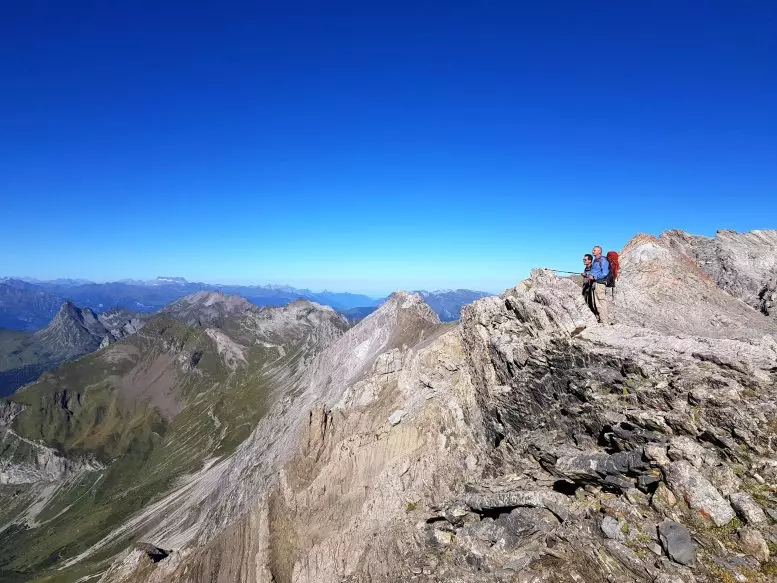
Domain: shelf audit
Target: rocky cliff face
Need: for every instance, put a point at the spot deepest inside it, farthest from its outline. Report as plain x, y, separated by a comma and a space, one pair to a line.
743, 264
523, 443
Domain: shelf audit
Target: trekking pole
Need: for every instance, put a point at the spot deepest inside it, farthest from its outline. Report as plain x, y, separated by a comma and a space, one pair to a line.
561, 271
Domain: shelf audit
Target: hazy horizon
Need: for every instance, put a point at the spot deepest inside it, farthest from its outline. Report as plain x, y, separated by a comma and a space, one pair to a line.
245, 283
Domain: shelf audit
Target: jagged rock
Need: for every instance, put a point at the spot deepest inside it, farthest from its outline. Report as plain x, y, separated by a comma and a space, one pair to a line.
677, 542
767, 297
524, 523
747, 508
656, 453
721, 258
554, 501
684, 448
389, 362
754, 544
456, 514
725, 480
699, 493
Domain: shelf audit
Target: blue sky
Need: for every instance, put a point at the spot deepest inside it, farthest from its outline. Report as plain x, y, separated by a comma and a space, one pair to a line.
375, 146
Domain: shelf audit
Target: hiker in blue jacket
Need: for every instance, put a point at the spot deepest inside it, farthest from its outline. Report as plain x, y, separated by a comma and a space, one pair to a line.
600, 269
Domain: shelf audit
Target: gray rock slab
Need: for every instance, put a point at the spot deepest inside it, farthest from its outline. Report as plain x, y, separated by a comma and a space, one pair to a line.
677, 542
747, 508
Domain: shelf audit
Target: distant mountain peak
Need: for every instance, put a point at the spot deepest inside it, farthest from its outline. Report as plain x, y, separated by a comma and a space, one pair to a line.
306, 303
170, 279
208, 307
409, 302
67, 311
210, 298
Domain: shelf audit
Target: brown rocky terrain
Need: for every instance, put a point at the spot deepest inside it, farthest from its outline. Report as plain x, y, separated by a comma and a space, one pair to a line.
523, 443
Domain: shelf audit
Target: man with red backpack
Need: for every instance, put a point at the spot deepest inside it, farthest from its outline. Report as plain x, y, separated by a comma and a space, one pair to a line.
601, 277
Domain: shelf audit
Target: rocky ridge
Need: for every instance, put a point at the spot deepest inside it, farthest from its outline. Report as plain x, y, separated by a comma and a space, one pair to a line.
25, 461
157, 409
523, 443
75, 331
72, 333
743, 264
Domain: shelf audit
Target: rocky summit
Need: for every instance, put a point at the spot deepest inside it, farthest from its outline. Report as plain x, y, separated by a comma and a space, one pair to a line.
73, 332
524, 442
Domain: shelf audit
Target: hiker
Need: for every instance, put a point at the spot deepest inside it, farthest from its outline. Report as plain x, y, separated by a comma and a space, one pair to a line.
600, 269
588, 284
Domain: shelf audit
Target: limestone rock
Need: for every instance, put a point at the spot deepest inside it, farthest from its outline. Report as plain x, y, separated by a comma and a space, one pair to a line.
754, 544
743, 264
699, 493
396, 417
663, 500
614, 528
747, 508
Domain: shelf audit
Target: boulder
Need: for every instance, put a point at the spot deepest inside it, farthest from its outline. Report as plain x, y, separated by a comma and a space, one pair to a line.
699, 493
754, 544
677, 542
747, 508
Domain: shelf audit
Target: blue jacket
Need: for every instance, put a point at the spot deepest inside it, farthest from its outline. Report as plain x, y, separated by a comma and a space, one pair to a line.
600, 268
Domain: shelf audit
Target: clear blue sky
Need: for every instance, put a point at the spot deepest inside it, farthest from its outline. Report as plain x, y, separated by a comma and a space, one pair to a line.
373, 146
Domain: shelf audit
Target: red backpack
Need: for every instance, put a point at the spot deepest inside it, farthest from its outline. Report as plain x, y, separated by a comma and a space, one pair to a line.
615, 268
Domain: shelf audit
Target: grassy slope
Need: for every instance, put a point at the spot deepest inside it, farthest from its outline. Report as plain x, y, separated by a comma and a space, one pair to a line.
79, 410
21, 360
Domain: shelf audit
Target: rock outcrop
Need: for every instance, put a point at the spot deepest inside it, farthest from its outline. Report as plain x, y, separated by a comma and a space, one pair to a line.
742, 264
24, 461
523, 443
72, 333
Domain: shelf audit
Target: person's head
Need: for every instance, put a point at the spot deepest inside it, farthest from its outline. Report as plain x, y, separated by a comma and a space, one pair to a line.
588, 259
597, 251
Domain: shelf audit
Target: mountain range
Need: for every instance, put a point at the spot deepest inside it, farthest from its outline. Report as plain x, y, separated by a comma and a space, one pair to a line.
30, 305
222, 441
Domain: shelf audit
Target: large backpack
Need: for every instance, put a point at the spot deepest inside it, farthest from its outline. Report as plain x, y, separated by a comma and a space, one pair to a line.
615, 268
